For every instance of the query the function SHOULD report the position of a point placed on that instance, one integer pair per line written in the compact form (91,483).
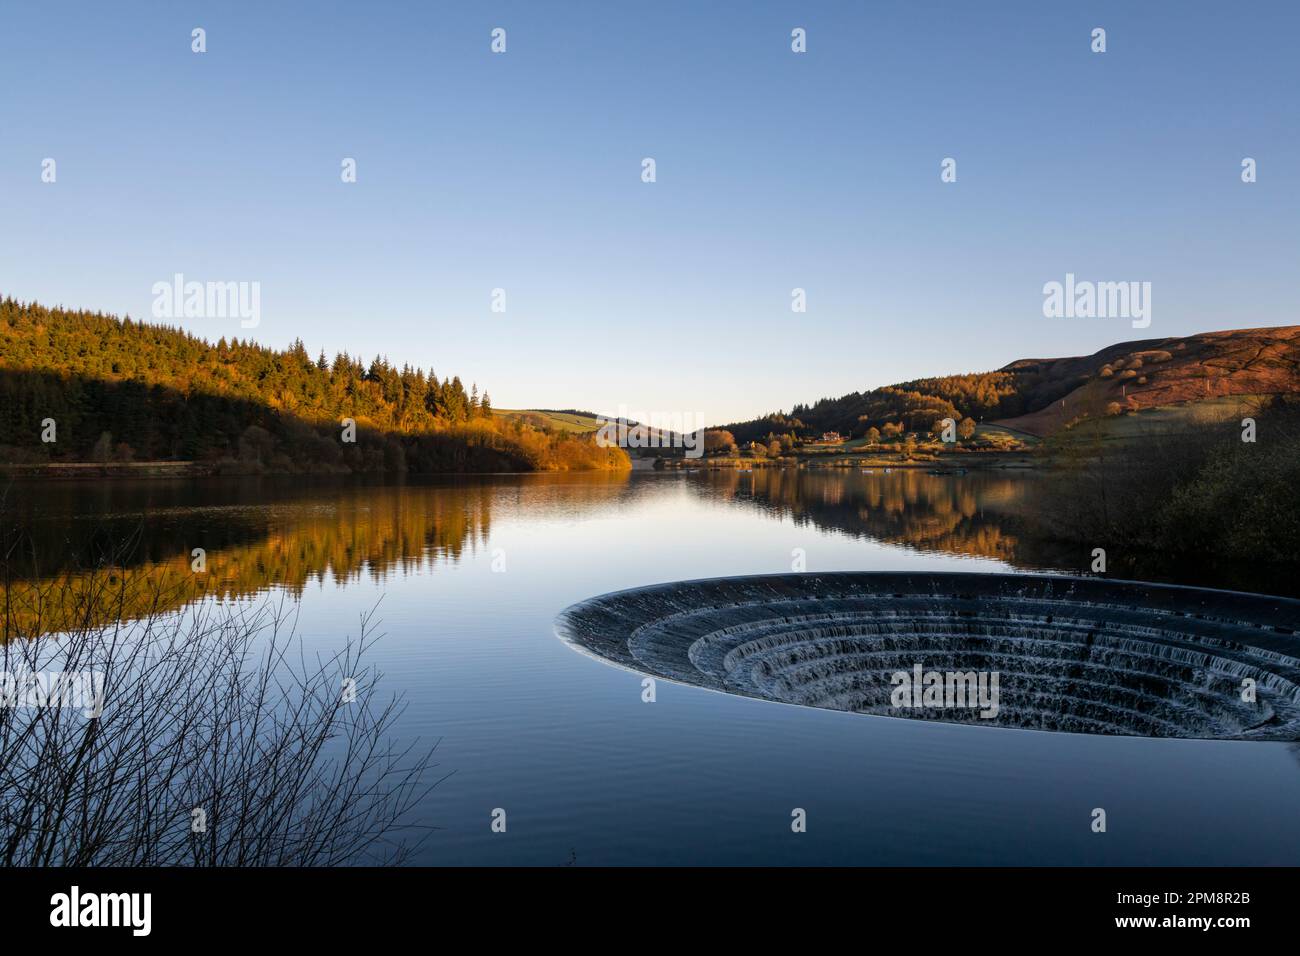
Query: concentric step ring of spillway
(1081,655)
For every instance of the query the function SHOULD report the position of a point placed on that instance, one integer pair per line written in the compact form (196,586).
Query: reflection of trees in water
(65,548)
(1027,519)
(59,551)
(972,514)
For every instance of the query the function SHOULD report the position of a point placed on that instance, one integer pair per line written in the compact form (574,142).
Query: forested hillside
(118,390)
(912,406)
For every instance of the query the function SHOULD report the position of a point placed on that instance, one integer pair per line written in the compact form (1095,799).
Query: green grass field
(1002,432)
(1172,419)
(560,421)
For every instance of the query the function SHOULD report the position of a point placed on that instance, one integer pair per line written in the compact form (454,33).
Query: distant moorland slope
(1042,396)
(561,420)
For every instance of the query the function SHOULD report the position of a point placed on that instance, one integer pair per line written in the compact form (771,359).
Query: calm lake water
(469,574)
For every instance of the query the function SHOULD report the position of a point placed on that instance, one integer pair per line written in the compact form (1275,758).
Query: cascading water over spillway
(1081,655)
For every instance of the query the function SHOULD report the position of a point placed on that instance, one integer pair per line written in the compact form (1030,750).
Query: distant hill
(563,420)
(577,422)
(1041,396)
(1158,372)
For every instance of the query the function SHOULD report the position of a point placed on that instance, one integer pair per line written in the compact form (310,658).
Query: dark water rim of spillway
(1075,654)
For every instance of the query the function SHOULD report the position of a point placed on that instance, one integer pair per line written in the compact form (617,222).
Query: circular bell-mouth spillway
(1078,655)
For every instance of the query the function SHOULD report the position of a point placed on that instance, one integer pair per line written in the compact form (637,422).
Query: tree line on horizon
(121,390)
(908,406)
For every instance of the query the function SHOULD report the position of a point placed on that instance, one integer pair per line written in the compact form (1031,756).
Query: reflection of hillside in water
(92,554)
(973,514)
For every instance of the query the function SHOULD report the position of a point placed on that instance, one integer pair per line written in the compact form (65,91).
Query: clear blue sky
(775,170)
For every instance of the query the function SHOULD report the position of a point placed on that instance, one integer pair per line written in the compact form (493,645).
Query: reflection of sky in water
(566,746)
